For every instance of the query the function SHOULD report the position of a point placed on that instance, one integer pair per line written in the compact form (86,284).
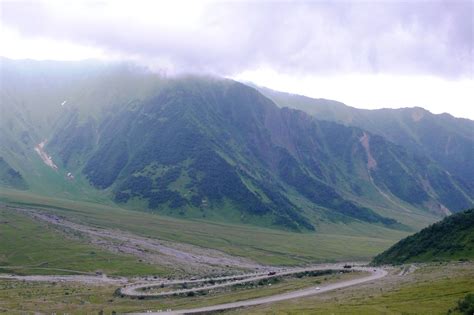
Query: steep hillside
(10,177)
(447,140)
(450,239)
(211,148)
(208,148)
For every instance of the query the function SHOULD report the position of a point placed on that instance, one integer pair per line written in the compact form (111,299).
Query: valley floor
(332,242)
(23,296)
(76,255)
(415,289)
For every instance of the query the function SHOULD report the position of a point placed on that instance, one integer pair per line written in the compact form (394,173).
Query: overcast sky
(367,54)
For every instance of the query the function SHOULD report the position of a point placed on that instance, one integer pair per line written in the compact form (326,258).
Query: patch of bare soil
(47,159)
(371,162)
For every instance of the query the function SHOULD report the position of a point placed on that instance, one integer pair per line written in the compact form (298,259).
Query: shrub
(466,305)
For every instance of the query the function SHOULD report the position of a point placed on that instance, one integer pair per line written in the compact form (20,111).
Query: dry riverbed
(182,258)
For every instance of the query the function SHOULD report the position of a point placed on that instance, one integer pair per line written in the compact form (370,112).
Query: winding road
(140,289)
(375,274)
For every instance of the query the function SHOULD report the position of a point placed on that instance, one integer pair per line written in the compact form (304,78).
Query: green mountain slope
(450,239)
(208,148)
(204,146)
(447,140)
(10,177)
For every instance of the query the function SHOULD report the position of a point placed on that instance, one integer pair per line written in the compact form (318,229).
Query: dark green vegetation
(30,247)
(450,239)
(465,305)
(210,149)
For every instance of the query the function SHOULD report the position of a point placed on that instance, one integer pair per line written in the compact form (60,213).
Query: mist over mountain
(211,148)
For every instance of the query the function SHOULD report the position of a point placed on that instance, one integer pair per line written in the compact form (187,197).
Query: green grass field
(432,289)
(30,247)
(331,242)
(73,298)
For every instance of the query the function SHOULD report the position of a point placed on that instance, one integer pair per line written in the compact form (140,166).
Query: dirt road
(138,290)
(375,274)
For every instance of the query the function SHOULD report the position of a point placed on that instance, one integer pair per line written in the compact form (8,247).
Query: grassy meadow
(30,247)
(431,289)
(331,242)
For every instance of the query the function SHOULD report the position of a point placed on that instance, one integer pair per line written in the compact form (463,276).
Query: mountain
(205,144)
(450,239)
(447,140)
(207,148)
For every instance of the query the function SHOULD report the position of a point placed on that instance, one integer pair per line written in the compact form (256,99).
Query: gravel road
(137,289)
(374,275)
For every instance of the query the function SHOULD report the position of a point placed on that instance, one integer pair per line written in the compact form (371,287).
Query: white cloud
(366,54)
(225,37)
(16,46)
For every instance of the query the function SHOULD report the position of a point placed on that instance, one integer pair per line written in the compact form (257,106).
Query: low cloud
(225,38)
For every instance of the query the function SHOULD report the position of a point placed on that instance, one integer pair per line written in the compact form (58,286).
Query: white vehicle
(318,288)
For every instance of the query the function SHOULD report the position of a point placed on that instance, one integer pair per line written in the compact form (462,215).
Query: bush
(466,305)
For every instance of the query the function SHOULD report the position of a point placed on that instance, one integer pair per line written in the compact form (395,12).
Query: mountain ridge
(445,139)
(163,144)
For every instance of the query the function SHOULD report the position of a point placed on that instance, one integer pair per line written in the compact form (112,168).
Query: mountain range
(216,149)
(447,140)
